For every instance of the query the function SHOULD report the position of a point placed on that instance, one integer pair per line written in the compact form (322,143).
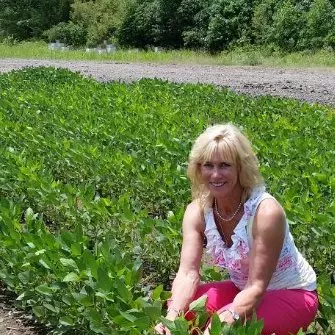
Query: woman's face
(220,177)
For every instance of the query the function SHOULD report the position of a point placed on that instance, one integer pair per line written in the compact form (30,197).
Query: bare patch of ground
(13,321)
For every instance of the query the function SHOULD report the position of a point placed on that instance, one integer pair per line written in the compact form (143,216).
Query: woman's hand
(171,315)
(161,329)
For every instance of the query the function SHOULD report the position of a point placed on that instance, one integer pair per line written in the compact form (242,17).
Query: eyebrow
(220,162)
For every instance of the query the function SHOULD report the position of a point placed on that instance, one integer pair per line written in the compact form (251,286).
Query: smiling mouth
(217,184)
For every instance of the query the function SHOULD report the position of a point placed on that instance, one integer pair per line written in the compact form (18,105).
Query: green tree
(69,33)
(140,25)
(230,22)
(24,19)
(288,23)
(262,20)
(153,22)
(195,17)
(101,18)
(210,24)
(319,30)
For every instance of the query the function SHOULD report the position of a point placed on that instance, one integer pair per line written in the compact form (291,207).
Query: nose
(216,172)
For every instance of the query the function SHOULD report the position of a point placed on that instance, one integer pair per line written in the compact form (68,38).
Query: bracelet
(233,314)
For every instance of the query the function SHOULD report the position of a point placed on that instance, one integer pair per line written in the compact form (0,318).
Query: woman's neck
(227,205)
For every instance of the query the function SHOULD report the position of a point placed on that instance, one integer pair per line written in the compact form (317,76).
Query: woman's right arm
(187,279)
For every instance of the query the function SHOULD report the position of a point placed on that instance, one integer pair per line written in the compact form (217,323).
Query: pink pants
(282,311)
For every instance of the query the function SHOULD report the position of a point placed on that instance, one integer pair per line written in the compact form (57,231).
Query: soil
(310,85)
(14,321)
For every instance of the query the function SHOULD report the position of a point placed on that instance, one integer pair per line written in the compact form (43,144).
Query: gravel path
(311,85)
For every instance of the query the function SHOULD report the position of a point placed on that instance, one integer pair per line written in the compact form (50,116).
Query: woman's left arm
(268,232)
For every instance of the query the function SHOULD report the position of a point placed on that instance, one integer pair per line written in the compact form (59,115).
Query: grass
(251,56)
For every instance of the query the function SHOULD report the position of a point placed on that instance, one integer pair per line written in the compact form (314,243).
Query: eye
(224,165)
(208,164)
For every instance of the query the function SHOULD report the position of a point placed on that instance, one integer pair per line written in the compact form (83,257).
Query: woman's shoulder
(269,206)
(194,215)
(270,217)
(194,205)
(259,199)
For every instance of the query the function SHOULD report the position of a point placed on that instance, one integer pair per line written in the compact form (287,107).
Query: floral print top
(292,271)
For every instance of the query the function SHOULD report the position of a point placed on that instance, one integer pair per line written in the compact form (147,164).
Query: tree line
(211,25)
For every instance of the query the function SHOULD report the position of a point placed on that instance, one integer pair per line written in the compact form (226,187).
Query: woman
(247,233)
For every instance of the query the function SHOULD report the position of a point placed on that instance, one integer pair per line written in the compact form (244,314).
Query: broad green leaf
(199,304)
(142,323)
(128,316)
(122,290)
(83,299)
(45,289)
(51,308)
(72,276)
(215,327)
(69,262)
(44,264)
(103,279)
(66,321)
(153,312)
(157,292)
(21,296)
(93,315)
(39,311)
(25,277)
(181,325)
(90,262)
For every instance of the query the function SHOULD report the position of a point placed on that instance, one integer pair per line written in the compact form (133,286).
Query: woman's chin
(218,192)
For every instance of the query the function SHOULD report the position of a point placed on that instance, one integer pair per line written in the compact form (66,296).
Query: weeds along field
(93,189)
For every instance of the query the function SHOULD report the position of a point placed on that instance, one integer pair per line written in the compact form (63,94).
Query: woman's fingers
(160,329)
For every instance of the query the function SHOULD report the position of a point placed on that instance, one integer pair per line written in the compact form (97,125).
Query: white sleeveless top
(292,271)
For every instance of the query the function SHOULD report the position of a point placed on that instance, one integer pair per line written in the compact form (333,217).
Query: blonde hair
(232,146)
